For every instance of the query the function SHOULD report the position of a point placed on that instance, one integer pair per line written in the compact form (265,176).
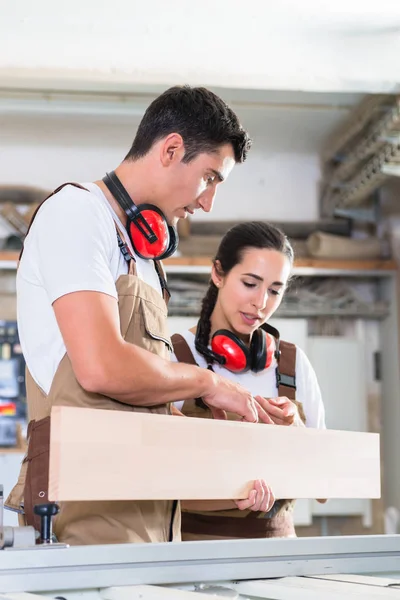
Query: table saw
(34,567)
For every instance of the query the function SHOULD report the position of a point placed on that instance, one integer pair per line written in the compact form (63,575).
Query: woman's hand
(175,411)
(281,411)
(261,498)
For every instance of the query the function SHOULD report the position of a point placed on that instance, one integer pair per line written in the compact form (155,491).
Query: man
(91,302)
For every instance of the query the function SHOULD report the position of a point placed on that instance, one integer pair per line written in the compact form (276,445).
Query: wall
(345,45)
(45,151)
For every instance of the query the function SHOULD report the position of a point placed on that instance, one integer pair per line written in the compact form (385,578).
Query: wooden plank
(113,455)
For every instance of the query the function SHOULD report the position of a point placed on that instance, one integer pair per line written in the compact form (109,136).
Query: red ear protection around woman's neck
(240,358)
(231,352)
(149,232)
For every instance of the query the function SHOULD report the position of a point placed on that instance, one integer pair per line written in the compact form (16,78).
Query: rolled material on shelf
(325,245)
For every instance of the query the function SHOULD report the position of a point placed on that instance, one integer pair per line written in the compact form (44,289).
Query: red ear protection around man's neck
(149,232)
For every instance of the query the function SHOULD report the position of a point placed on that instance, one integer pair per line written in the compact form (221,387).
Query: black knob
(46,512)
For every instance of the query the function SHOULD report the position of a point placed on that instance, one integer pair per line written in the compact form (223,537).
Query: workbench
(300,568)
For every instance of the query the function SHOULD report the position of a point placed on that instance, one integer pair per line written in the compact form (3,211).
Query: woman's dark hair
(202,118)
(252,234)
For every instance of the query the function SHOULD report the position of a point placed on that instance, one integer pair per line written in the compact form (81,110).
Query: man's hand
(226,395)
(260,498)
(281,411)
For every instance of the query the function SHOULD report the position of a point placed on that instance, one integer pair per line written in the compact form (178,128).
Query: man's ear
(172,149)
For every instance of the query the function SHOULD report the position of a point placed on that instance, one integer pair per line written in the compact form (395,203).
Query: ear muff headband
(238,357)
(258,350)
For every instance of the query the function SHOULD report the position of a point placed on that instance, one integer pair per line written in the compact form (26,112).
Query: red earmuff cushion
(234,353)
(160,228)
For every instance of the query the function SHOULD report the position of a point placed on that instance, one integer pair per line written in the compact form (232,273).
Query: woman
(250,274)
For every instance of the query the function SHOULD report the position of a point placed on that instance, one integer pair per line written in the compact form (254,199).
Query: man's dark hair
(204,121)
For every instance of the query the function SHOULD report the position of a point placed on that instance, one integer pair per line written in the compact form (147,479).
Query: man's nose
(206,201)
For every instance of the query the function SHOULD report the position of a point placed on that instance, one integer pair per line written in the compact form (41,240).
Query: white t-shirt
(72,246)
(264,383)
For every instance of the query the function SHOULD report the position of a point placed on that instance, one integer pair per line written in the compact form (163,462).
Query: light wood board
(112,455)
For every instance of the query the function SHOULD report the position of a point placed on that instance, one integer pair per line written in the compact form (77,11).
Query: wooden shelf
(312,263)
(8,255)
(303,267)
(8,260)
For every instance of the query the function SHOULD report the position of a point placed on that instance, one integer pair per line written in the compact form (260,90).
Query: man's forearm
(136,376)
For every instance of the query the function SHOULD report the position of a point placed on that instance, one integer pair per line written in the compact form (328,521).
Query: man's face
(192,186)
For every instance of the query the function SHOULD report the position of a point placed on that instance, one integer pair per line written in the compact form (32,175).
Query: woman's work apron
(235,523)
(143,322)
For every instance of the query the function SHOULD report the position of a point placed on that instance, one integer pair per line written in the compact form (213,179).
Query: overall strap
(125,251)
(181,349)
(163,280)
(286,370)
(286,375)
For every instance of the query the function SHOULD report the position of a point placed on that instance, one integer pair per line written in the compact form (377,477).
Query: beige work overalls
(143,321)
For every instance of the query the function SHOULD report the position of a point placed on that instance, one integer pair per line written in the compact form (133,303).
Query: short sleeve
(72,238)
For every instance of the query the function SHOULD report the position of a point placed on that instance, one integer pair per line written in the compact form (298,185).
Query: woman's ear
(216,274)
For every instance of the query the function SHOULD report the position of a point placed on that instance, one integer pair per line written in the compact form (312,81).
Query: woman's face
(251,292)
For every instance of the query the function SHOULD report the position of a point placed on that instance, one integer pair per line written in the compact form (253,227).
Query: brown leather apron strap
(287,370)
(163,280)
(182,350)
(37,475)
(125,251)
(286,379)
(237,528)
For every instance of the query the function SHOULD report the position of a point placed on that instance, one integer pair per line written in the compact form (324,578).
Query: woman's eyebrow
(278,283)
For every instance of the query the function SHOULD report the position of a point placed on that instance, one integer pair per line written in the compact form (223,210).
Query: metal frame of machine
(58,570)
